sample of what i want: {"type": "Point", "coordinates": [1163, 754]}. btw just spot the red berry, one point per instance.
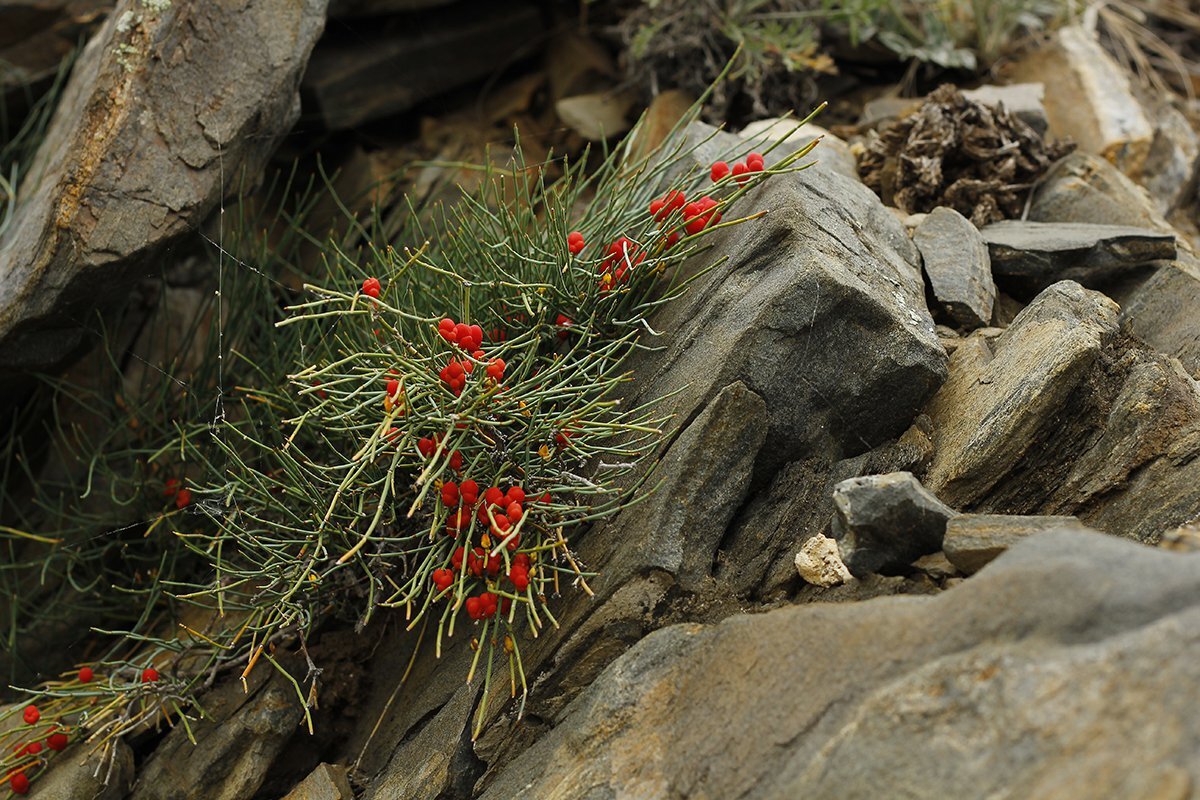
{"type": "Point", "coordinates": [476, 561]}
{"type": "Point", "coordinates": [183, 498]}
{"type": "Point", "coordinates": [515, 494]}
{"type": "Point", "coordinates": [86, 675]}
{"type": "Point", "coordinates": [450, 493]}
{"type": "Point", "coordinates": [456, 560]}
{"type": "Point", "coordinates": [392, 434]}
{"type": "Point", "coordinates": [519, 578]}
{"type": "Point", "coordinates": [514, 512]}
{"type": "Point", "coordinates": [31, 715]}
{"type": "Point", "coordinates": [669, 202]}
{"type": "Point", "coordinates": [33, 748]}
{"type": "Point", "coordinates": [393, 389]}
{"type": "Point", "coordinates": [170, 487]}
{"type": "Point", "coordinates": [488, 604]}
{"type": "Point", "coordinates": [672, 239]}
{"type": "Point", "coordinates": [495, 369]}
{"type": "Point", "coordinates": [19, 783]}
{"type": "Point", "coordinates": [521, 560]}
{"type": "Point", "coordinates": [149, 675]}
{"type": "Point", "coordinates": [545, 498]}
{"type": "Point", "coordinates": [493, 496]}
{"type": "Point", "coordinates": [442, 578]}
{"type": "Point", "coordinates": [57, 742]}
{"type": "Point", "coordinates": [457, 521]}
{"type": "Point", "coordinates": [754, 162]}
{"type": "Point", "coordinates": [575, 242]}
{"type": "Point", "coordinates": [426, 446]}
{"type": "Point", "coordinates": [563, 322]}
{"type": "Point", "coordinates": [474, 609]}
{"type": "Point", "coordinates": [371, 287]}
{"type": "Point", "coordinates": [446, 329]}
{"type": "Point", "coordinates": [456, 460]}
{"type": "Point", "coordinates": [469, 490]}
{"type": "Point", "coordinates": [562, 438]}
{"type": "Point", "coordinates": [719, 170]}
{"type": "Point", "coordinates": [740, 173]}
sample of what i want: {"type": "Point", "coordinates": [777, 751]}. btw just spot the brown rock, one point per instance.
{"type": "Point", "coordinates": [975, 540]}
{"type": "Point", "coordinates": [326, 782]}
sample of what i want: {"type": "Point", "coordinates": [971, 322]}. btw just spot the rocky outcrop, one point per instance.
{"type": "Point", "coordinates": [907, 697]}
{"type": "Point", "coordinates": [810, 343]}
{"type": "Point", "coordinates": [131, 162]}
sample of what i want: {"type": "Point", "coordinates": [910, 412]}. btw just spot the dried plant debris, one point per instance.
{"type": "Point", "coordinates": [979, 160]}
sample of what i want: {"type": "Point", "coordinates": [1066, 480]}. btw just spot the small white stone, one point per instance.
{"type": "Point", "coordinates": [820, 564]}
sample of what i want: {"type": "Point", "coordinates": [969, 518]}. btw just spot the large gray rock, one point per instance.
{"type": "Point", "coordinates": [810, 341]}
{"type": "Point", "coordinates": [885, 522]}
{"type": "Point", "coordinates": [1085, 188]}
{"type": "Point", "coordinates": [1029, 256]}
{"type": "Point", "coordinates": [168, 107]}
{"type": "Point", "coordinates": [1163, 311]}
{"type": "Point", "coordinates": [975, 540]}
{"type": "Point", "coordinates": [1066, 669]}
{"type": "Point", "coordinates": [958, 266]}
{"type": "Point", "coordinates": [1062, 415]}
{"type": "Point", "coordinates": [86, 774]}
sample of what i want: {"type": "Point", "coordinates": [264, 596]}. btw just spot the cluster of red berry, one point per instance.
{"type": "Point", "coordinates": [740, 171]}
{"type": "Point", "coordinates": [371, 287]}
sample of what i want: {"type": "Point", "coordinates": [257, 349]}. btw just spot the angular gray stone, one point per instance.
{"type": "Point", "coordinates": [999, 395]}
{"type": "Point", "coordinates": [975, 540]}
{"type": "Point", "coordinates": [958, 266]}
{"type": "Point", "coordinates": [1066, 669]}
{"type": "Point", "coordinates": [1029, 256]}
{"type": "Point", "coordinates": [237, 741]}
{"type": "Point", "coordinates": [166, 109]}
{"type": "Point", "coordinates": [885, 522]}
{"type": "Point", "coordinates": [326, 782]}
{"type": "Point", "coordinates": [1062, 415]}
{"type": "Point", "coordinates": [1171, 164]}
{"type": "Point", "coordinates": [1162, 312]}
{"type": "Point", "coordinates": [86, 775]}
{"type": "Point", "coordinates": [1085, 188]}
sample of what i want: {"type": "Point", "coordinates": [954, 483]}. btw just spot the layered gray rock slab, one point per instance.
{"type": "Point", "coordinates": [975, 540]}
{"type": "Point", "coordinates": [958, 266]}
{"type": "Point", "coordinates": [1085, 188]}
{"type": "Point", "coordinates": [242, 734]}
{"type": "Point", "coordinates": [810, 339]}
{"type": "Point", "coordinates": [168, 108]}
{"type": "Point", "coordinates": [1029, 256]}
{"type": "Point", "coordinates": [1062, 414]}
{"type": "Point", "coordinates": [1165, 311]}
{"type": "Point", "coordinates": [1067, 668]}
{"type": "Point", "coordinates": [884, 522]}
{"type": "Point", "coordinates": [998, 395]}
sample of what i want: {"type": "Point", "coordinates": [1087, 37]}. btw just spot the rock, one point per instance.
{"type": "Point", "coordinates": [832, 153]}
{"type": "Point", "coordinates": [1023, 100]}
{"type": "Point", "coordinates": [1080, 643]}
{"type": "Point", "coordinates": [597, 115]}
{"type": "Point", "coordinates": [936, 566]}
{"type": "Point", "coordinates": [1088, 98]}
{"type": "Point", "coordinates": [1062, 415]}
{"type": "Point", "coordinates": [1085, 188]}
{"type": "Point", "coordinates": [129, 165]}
{"type": "Point", "coordinates": [376, 68]}
{"type": "Point", "coordinates": [86, 775]}
{"type": "Point", "coordinates": [884, 522]}
{"type": "Point", "coordinates": [958, 266]}
{"type": "Point", "coordinates": [1029, 256]}
{"type": "Point", "coordinates": [808, 343]}
{"type": "Point", "coordinates": [1162, 312]}
{"type": "Point", "coordinates": [999, 395]}
{"type": "Point", "coordinates": [820, 563]}
{"type": "Point", "coordinates": [326, 782]}
{"type": "Point", "coordinates": [1171, 163]}
{"type": "Point", "coordinates": [236, 743]}
{"type": "Point", "coordinates": [887, 108]}
{"type": "Point", "coordinates": [975, 540]}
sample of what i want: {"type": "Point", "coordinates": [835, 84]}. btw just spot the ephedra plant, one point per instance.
{"type": "Point", "coordinates": [420, 430]}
